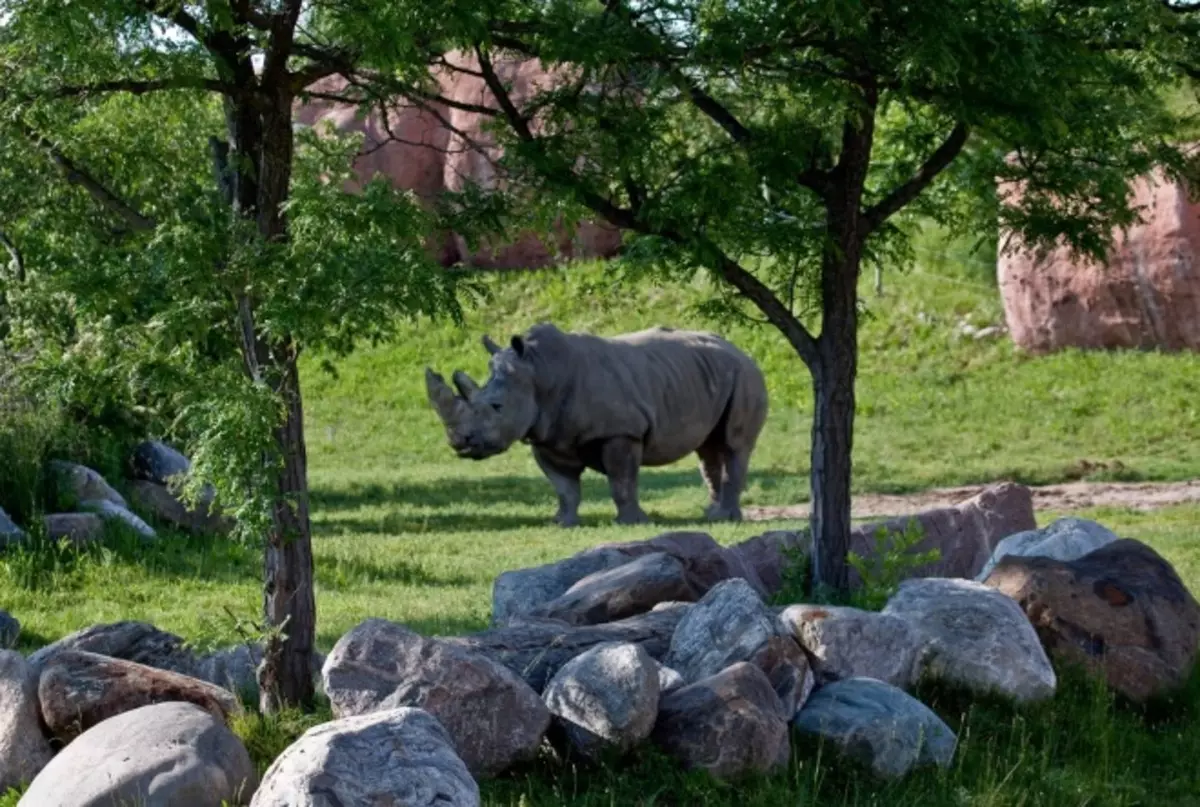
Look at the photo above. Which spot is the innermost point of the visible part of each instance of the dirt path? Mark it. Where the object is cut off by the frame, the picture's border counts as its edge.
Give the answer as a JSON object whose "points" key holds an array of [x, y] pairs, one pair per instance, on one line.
{"points": [[1070, 496]]}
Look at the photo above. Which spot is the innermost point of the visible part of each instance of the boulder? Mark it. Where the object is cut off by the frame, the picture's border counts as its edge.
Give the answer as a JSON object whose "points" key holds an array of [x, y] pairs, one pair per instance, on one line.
{"points": [[118, 515], [879, 725], [397, 757], [1120, 611], [78, 483], [10, 630], [24, 749], [627, 590], [1064, 539], [974, 637], [10, 533], [519, 592], [1144, 294], [606, 696], [731, 624], [164, 755], [495, 718], [139, 642], [78, 528], [163, 505], [236, 668], [965, 534], [729, 724], [668, 680], [850, 643], [769, 554], [536, 649], [155, 461], [77, 690]]}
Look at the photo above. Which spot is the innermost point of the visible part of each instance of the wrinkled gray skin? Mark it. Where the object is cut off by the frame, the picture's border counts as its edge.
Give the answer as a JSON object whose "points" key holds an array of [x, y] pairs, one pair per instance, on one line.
{"points": [[613, 405]]}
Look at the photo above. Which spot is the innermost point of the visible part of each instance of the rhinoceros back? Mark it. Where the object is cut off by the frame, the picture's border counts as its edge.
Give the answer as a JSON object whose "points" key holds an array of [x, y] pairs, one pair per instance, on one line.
{"points": [[668, 388]]}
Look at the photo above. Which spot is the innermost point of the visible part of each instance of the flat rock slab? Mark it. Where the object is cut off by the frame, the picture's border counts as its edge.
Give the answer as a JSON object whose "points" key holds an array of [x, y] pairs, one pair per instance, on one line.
{"points": [[536, 649], [851, 643], [623, 591], [730, 724], [606, 696], [1121, 611], [140, 642], [116, 514], [24, 750], [165, 755], [879, 725], [168, 508], [78, 690], [494, 717], [974, 637], [395, 757], [1064, 539]]}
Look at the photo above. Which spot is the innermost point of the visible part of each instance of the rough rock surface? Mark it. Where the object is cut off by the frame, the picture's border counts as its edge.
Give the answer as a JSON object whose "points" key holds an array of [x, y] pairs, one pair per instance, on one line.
{"points": [[965, 534], [974, 637], [519, 592], [139, 642], [165, 755], [731, 624], [1121, 611], [606, 696], [729, 724], [769, 554], [10, 630], [1145, 294], [849, 643], [536, 649], [162, 504], [78, 690], [494, 717], [155, 461], [1063, 539], [881, 726], [10, 533], [398, 757], [668, 680], [78, 528], [235, 668], [119, 515], [24, 750], [79, 483], [626, 590]]}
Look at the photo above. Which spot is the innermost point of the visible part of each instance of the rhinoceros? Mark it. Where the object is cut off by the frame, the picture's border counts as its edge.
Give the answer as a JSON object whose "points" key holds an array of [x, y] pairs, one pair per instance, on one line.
{"points": [[614, 405]]}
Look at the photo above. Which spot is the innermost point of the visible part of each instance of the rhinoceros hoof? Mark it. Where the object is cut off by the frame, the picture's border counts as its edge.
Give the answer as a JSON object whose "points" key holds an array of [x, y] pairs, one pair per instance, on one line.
{"points": [[634, 517], [718, 513], [566, 521]]}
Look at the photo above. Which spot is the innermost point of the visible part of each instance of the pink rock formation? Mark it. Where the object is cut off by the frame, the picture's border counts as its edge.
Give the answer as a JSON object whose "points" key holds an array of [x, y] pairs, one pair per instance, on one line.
{"points": [[1146, 294], [430, 151]]}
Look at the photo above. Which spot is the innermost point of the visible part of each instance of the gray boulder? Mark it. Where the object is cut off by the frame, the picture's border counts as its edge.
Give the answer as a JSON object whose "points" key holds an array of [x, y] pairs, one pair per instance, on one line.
{"points": [[168, 508], [606, 696], [10, 630], [731, 624], [518, 592], [10, 533], [493, 716], [139, 642], [78, 483], [155, 461], [78, 528], [24, 750], [78, 690], [879, 725], [850, 643], [729, 724], [119, 515], [975, 637], [1065, 539], [165, 755], [397, 757], [623, 591]]}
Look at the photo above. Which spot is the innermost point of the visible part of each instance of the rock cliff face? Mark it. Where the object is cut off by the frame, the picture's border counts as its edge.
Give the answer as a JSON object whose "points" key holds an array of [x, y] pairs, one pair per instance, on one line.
{"points": [[428, 150], [1145, 295]]}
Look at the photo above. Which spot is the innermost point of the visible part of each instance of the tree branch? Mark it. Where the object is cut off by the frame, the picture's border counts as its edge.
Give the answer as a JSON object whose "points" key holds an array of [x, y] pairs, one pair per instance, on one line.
{"points": [[143, 86], [902, 194]]}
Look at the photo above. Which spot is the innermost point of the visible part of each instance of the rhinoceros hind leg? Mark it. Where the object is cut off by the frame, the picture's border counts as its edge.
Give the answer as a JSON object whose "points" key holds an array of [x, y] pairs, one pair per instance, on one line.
{"points": [[622, 458], [733, 478], [566, 486]]}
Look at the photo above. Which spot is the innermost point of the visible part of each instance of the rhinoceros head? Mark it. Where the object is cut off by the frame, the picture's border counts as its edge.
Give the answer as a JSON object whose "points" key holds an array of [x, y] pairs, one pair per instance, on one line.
{"points": [[484, 421]]}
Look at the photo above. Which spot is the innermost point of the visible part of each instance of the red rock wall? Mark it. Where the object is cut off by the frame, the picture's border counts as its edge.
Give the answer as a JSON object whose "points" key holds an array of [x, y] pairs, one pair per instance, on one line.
{"points": [[1146, 294]]}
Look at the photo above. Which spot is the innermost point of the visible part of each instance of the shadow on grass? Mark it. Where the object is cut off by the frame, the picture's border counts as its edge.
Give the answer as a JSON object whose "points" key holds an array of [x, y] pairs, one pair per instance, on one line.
{"points": [[347, 573]]}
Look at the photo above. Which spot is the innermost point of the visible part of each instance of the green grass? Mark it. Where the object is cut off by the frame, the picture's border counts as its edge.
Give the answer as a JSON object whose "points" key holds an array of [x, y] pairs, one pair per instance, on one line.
{"points": [[405, 531]]}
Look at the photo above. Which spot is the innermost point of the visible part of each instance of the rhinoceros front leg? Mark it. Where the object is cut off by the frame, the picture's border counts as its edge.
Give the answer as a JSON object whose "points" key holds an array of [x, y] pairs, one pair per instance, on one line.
{"points": [[566, 485], [622, 458]]}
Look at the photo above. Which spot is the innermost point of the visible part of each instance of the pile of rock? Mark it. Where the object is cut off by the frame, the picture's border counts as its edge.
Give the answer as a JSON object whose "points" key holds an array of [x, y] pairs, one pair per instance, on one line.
{"points": [[157, 470]]}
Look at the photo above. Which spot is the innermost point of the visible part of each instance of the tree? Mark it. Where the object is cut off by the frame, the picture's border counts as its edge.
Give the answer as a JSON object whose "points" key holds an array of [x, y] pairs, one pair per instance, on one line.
{"points": [[259, 256], [780, 146]]}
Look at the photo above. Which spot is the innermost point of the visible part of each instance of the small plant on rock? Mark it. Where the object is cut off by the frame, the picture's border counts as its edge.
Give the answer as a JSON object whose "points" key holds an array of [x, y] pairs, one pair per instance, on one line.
{"points": [[892, 560]]}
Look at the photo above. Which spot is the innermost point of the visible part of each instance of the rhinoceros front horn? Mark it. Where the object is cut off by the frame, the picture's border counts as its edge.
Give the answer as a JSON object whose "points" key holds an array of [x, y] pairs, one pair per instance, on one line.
{"points": [[466, 387], [447, 404]]}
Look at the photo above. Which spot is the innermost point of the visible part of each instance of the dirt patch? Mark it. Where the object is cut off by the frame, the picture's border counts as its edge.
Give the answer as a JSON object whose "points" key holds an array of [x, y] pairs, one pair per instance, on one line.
{"points": [[1069, 496]]}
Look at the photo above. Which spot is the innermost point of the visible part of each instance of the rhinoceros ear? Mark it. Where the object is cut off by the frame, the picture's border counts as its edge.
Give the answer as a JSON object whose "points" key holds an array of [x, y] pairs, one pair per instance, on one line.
{"points": [[491, 346], [466, 386], [518, 346], [442, 397]]}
